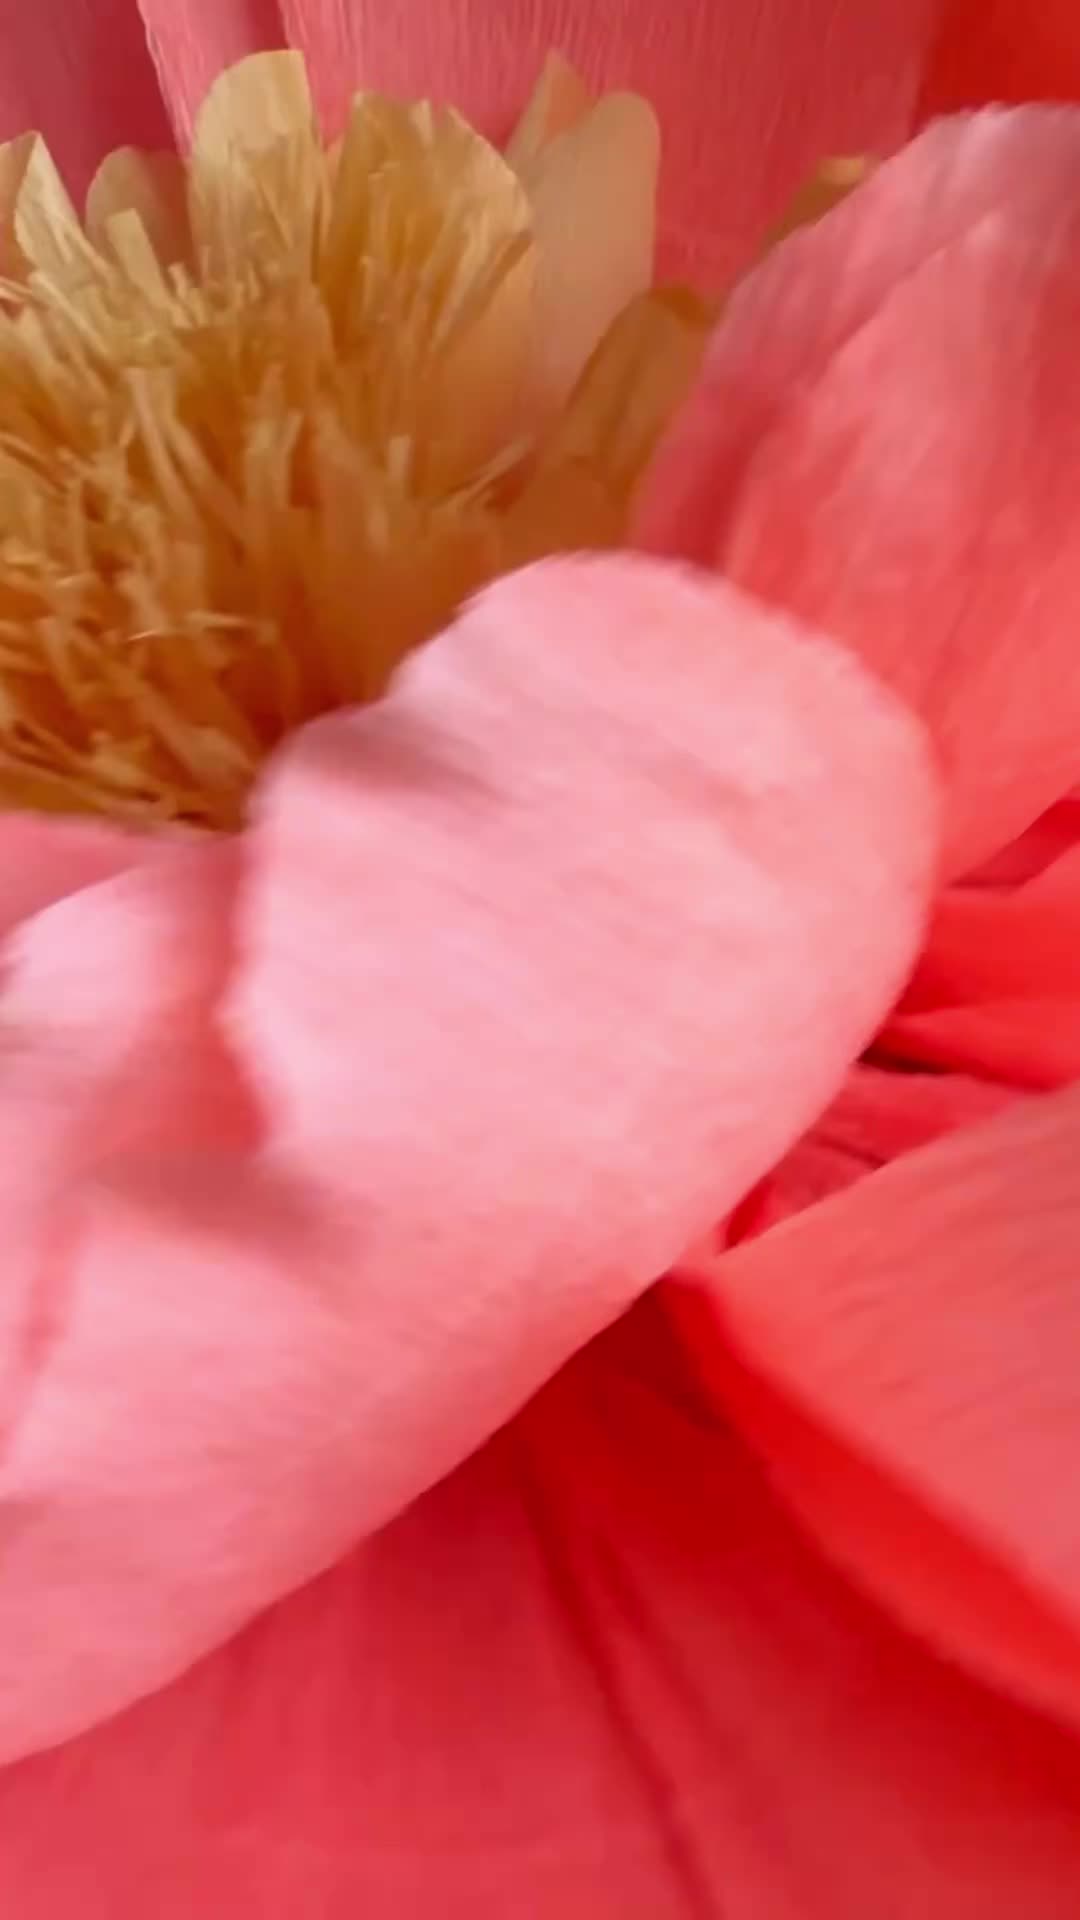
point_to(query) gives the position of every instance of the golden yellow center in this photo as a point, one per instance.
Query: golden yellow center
(266, 418)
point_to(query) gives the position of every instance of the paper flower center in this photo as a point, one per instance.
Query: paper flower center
(266, 418)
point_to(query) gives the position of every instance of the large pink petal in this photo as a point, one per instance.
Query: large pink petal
(905, 1354)
(530, 971)
(192, 40)
(78, 71)
(597, 1675)
(884, 441)
(749, 96)
(47, 867)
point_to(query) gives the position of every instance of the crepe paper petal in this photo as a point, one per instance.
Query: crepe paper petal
(640, 650)
(593, 197)
(830, 184)
(152, 185)
(1002, 50)
(590, 169)
(807, 299)
(587, 468)
(997, 990)
(39, 226)
(1055, 832)
(749, 99)
(259, 108)
(558, 103)
(42, 862)
(984, 944)
(596, 1675)
(532, 969)
(192, 41)
(79, 72)
(899, 470)
(878, 1115)
(1033, 1044)
(904, 1356)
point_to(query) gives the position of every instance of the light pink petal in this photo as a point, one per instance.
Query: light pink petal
(749, 97)
(78, 71)
(192, 40)
(905, 1356)
(45, 866)
(597, 1675)
(108, 985)
(884, 442)
(529, 972)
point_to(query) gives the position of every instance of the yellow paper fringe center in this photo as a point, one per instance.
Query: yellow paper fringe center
(265, 420)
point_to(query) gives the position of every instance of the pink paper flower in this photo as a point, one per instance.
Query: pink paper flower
(375, 1536)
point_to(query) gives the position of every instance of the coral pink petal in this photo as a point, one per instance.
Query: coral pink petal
(808, 298)
(904, 1355)
(1033, 1044)
(596, 1675)
(78, 71)
(885, 443)
(986, 943)
(192, 40)
(877, 1116)
(320, 1170)
(997, 990)
(1055, 832)
(749, 97)
(1002, 50)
